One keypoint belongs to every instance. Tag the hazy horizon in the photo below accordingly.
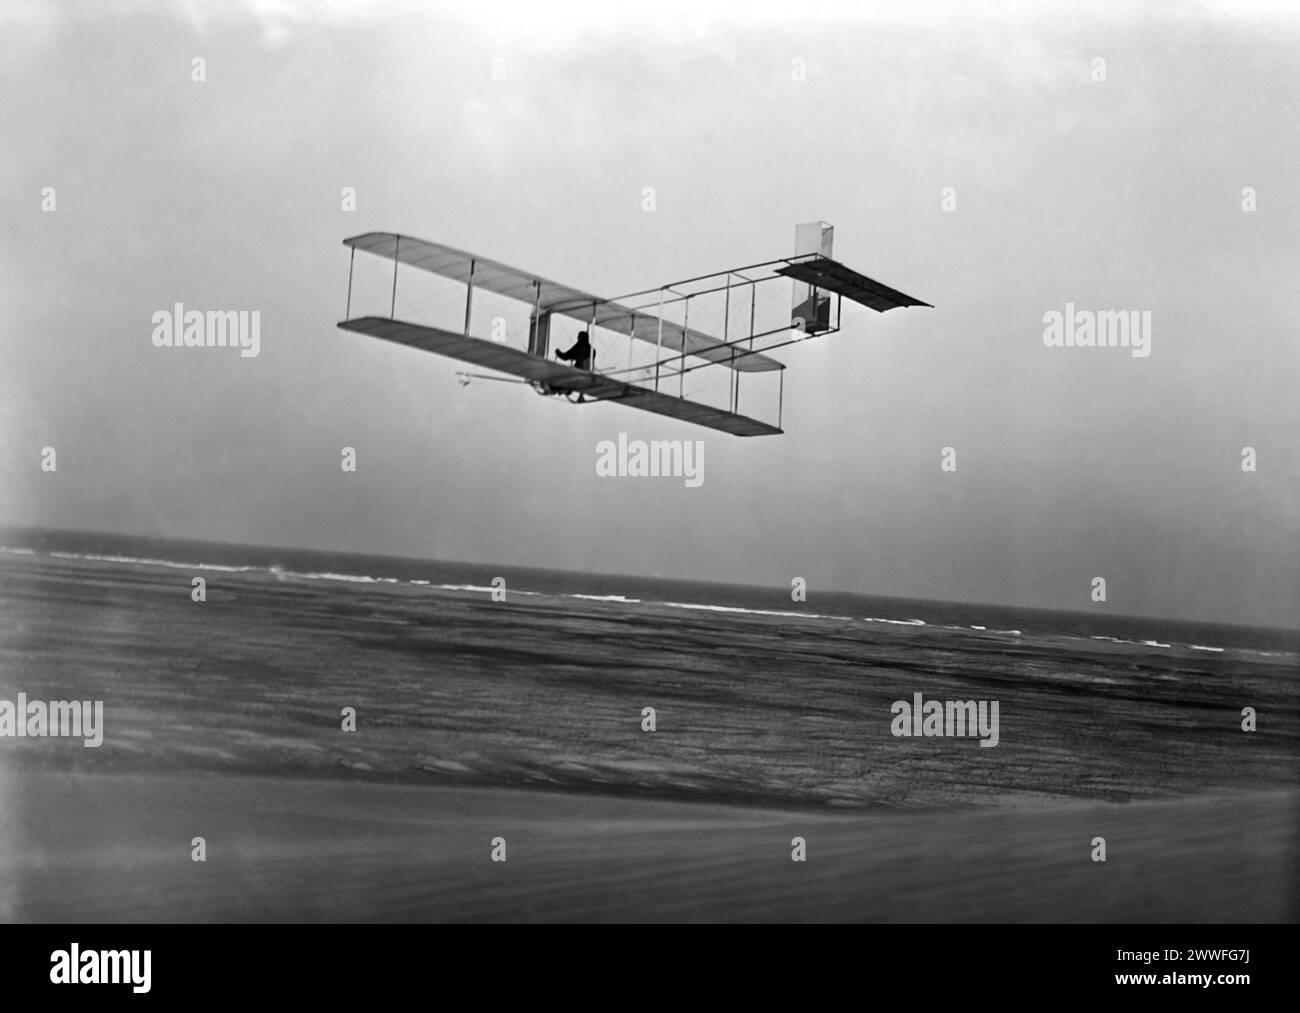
(488, 565)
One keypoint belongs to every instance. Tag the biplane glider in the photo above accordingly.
(710, 326)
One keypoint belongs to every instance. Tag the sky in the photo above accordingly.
(974, 159)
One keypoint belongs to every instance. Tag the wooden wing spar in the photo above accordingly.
(647, 317)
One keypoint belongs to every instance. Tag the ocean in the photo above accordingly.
(304, 564)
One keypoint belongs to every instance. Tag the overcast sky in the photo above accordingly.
(1072, 463)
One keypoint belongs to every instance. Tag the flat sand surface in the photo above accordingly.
(109, 848)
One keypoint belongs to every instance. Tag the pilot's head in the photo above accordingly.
(582, 336)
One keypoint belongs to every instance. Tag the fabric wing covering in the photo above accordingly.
(832, 276)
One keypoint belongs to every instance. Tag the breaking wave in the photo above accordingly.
(616, 599)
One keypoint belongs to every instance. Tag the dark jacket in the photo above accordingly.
(580, 353)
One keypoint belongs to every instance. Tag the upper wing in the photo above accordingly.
(552, 297)
(457, 264)
(556, 375)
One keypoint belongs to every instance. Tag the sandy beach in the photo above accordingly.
(92, 849)
(522, 720)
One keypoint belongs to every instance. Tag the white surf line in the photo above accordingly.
(275, 570)
(470, 587)
(1132, 643)
(752, 612)
(477, 589)
(352, 578)
(169, 563)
